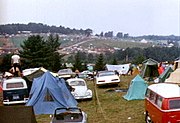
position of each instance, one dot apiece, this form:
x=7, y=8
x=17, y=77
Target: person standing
x=16, y=67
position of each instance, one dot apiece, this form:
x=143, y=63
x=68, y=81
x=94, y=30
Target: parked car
x=66, y=73
x=69, y=115
x=87, y=74
x=107, y=78
x=162, y=103
x=15, y=91
x=81, y=90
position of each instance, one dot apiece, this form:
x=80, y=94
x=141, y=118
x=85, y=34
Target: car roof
x=73, y=79
x=166, y=90
x=104, y=71
x=14, y=80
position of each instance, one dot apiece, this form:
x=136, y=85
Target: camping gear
x=165, y=74
x=137, y=89
x=48, y=93
x=121, y=69
x=149, y=68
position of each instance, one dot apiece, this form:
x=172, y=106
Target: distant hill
x=39, y=28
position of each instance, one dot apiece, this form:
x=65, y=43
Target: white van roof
x=14, y=80
x=166, y=90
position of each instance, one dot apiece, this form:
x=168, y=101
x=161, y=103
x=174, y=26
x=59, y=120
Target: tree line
x=43, y=28
x=40, y=28
x=129, y=55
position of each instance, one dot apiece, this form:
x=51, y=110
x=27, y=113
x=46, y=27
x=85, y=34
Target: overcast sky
x=136, y=17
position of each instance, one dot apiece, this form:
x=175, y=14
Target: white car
x=69, y=115
x=107, y=78
x=80, y=88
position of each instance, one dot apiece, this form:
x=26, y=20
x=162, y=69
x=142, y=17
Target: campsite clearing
x=109, y=107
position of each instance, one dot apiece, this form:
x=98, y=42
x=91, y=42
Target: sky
x=135, y=17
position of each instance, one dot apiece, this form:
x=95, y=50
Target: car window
x=77, y=83
x=174, y=104
x=106, y=74
x=159, y=101
x=14, y=85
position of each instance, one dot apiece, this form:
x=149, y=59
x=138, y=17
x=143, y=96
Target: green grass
x=109, y=107
x=98, y=43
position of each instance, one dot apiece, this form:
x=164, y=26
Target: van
x=15, y=91
x=162, y=103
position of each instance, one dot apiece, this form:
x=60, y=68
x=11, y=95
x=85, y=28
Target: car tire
x=147, y=118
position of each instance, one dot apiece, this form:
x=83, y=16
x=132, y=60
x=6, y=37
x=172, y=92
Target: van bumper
x=7, y=102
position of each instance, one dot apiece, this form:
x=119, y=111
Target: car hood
x=80, y=90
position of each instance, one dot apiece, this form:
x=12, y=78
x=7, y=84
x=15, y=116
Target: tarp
x=122, y=69
x=149, y=68
x=31, y=73
x=137, y=89
x=17, y=114
x=165, y=74
x=48, y=93
x=174, y=77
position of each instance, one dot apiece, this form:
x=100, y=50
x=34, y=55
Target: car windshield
x=15, y=85
x=77, y=83
x=65, y=71
x=106, y=74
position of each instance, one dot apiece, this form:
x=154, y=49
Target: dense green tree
x=90, y=58
x=6, y=62
x=114, y=62
x=54, y=60
x=100, y=63
x=88, y=32
x=138, y=59
x=78, y=62
x=36, y=52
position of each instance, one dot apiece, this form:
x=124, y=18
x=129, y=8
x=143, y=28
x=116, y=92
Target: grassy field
x=109, y=106
x=98, y=43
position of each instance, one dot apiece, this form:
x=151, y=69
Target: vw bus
x=15, y=91
x=162, y=103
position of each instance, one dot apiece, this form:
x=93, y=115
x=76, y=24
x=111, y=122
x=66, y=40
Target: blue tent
x=48, y=93
x=137, y=89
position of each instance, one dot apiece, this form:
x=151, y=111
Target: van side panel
x=164, y=114
x=154, y=112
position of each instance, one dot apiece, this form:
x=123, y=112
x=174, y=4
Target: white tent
x=174, y=77
x=122, y=68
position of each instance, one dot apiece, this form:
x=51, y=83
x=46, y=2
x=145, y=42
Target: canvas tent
x=165, y=74
x=149, y=68
x=31, y=73
x=122, y=69
x=137, y=89
x=48, y=93
x=176, y=64
x=174, y=77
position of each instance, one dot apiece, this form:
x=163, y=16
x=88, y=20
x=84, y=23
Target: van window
x=159, y=101
x=152, y=96
x=14, y=85
x=148, y=93
x=174, y=104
